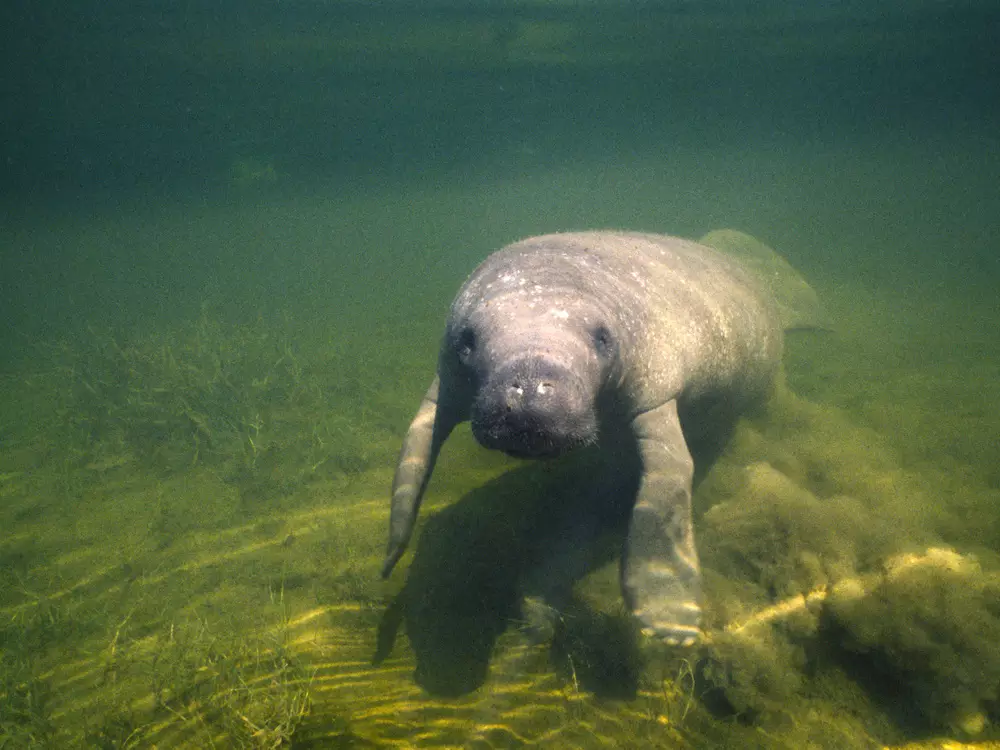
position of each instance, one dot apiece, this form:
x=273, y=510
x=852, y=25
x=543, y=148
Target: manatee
x=612, y=338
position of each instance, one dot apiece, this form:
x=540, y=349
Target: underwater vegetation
x=194, y=521
x=120, y=455
x=202, y=686
x=931, y=622
x=207, y=394
x=840, y=548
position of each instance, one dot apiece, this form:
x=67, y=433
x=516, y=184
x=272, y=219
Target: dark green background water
x=824, y=129
x=281, y=198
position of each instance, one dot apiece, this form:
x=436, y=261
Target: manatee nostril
x=514, y=396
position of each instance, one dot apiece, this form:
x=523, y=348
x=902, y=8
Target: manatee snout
x=534, y=408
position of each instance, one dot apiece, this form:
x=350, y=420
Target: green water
x=230, y=237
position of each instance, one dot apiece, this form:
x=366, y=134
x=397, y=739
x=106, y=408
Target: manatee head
x=535, y=373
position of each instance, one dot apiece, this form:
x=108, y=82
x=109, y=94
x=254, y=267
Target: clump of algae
x=921, y=636
x=810, y=530
x=931, y=623
x=752, y=678
x=783, y=538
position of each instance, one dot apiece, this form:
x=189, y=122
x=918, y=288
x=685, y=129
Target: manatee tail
x=798, y=305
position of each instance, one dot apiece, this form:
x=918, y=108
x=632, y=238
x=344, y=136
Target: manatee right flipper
x=661, y=578
x=427, y=433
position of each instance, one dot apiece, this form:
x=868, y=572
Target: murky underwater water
x=205, y=389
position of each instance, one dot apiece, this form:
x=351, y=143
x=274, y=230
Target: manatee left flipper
x=427, y=433
x=661, y=578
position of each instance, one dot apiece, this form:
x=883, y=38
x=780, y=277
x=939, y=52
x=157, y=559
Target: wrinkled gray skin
x=556, y=341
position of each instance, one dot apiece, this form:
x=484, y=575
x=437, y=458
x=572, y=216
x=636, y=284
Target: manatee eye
x=465, y=345
x=603, y=341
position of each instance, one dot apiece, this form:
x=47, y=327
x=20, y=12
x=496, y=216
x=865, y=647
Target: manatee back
x=797, y=304
x=692, y=320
